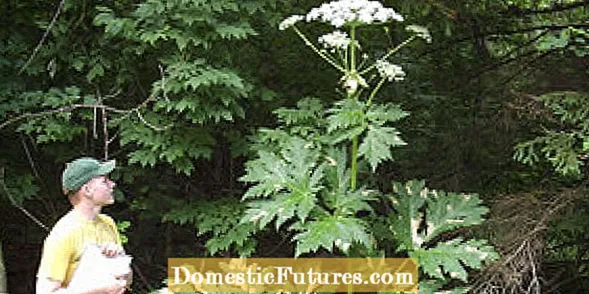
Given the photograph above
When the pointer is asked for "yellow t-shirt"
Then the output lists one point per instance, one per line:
(66, 242)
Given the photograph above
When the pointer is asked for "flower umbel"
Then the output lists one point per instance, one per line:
(390, 71)
(335, 40)
(339, 13)
(421, 32)
(289, 22)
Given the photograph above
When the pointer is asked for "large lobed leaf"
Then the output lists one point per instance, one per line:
(327, 232)
(422, 215)
(283, 207)
(408, 201)
(448, 211)
(308, 111)
(291, 176)
(352, 118)
(376, 146)
(379, 114)
(452, 258)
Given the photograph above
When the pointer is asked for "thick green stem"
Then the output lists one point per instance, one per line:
(391, 52)
(354, 163)
(354, 155)
(353, 49)
(321, 54)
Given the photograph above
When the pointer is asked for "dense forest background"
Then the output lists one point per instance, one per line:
(185, 94)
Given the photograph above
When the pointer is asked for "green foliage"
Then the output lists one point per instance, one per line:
(329, 231)
(294, 170)
(178, 146)
(571, 38)
(19, 188)
(556, 147)
(174, 77)
(122, 227)
(207, 65)
(191, 92)
(346, 114)
(376, 146)
(421, 218)
(350, 119)
(566, 236)
(302, 177)
(299, 181)
(56, 125)
(176, 16)
(451, 257)
(566, 143)
(309, 111)
(219, 221)
(192, 80)
(564, 233)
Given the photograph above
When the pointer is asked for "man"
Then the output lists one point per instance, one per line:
(85, 181)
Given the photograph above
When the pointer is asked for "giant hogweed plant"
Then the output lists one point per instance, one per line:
(305, 177)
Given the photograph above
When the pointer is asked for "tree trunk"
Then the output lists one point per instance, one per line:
(3, 284)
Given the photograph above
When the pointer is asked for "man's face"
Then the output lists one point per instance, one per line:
(100, 189)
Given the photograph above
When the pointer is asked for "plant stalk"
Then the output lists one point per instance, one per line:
(380, 83)
(321, 54)
(391, 52)
(354, 155)
(354, 163)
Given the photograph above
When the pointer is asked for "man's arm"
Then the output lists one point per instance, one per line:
(49, 286)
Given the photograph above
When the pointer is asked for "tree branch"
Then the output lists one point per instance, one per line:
(15, 204)
(506, 59)
(557, 7)
(551, 27)
(62, 109)
(49, 27)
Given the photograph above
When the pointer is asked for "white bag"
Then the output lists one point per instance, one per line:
(95, 270)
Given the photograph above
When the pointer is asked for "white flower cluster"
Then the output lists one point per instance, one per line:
(338, 13)
(421, 32)
(335, 40)
(390, 71)
(290, 21)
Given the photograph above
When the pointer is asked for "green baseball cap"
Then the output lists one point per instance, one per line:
(82, 170)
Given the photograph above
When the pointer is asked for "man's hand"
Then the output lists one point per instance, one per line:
(111, 249)
(114, 286)
(126, 277)
(118, 287)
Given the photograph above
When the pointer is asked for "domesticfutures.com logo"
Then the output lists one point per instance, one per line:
(292, 275)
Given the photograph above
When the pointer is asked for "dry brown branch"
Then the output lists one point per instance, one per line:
(520, 223)
(527, 105)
